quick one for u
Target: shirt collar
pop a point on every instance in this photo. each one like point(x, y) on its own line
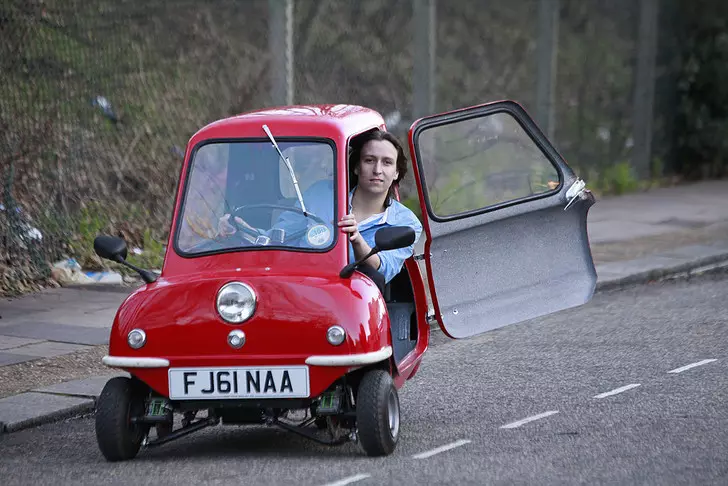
point(387, 213)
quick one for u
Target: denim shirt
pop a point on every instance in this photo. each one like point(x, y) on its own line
point(319, 200)
point(396, 214)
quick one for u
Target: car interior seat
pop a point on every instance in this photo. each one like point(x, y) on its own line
point(399, 298)
point(253, 179)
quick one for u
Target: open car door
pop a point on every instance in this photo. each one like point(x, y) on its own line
point(504, 218)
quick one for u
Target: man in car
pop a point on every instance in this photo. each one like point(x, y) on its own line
point(377, 165)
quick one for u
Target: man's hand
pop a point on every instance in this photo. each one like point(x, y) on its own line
point(226, 228)
point(361, 248)
point(348, 225)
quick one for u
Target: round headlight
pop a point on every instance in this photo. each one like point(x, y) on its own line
point(236, 302)
point(335, 335)
point(136, 338)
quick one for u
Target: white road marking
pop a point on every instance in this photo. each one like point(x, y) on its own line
point(692, 365)
point(447, 447)
point(617, 390)
point(349, 480)
point(513, 425)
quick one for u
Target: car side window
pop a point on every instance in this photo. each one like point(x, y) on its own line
point(474, 163)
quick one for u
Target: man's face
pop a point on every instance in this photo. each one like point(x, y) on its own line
point(377, 166)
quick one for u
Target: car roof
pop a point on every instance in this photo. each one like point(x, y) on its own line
point(333, 121)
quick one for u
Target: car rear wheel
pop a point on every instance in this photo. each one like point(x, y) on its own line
point(377, 413)
point(118, 437)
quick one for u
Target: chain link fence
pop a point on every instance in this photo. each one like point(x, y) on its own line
point(98, 97)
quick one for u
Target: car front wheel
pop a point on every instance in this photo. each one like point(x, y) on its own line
point(119, 438)
point(377, 413)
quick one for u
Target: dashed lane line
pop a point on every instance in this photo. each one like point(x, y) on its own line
point(349, 480)
point(447, 447)
point(518, 423)
point(692, 365)
point(616, 391)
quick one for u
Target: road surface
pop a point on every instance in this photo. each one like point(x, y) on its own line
point(629, 389)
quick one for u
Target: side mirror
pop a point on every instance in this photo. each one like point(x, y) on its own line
point(393, 237)
point(111, 248)
point(389, 238)
point(114, 248)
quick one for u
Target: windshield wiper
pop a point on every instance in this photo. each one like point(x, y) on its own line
point(290, 169)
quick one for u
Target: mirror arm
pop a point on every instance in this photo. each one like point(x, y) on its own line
point(349, 269)
point(147, 276)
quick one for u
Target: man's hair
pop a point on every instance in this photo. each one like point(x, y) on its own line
point(355, 157)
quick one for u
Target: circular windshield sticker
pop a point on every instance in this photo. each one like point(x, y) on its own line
point(318, 235)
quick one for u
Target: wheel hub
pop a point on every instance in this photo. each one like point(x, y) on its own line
point(393, 413)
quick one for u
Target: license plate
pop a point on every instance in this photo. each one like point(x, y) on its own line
point(234, 382)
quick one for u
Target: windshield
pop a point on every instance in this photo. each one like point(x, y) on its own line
point(241, 194)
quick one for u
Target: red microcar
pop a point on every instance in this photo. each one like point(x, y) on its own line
point(272, 322)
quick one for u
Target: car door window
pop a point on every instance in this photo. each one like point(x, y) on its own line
point(496, 192)
point(476, 163)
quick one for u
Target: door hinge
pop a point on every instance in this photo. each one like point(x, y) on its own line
point(431, 319)
point(575, 192)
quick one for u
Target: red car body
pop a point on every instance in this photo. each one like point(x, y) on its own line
point(178, 313)
point(504, 240)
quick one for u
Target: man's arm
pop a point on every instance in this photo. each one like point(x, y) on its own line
point(388, 263)
point(361, 248)
point(393, 260)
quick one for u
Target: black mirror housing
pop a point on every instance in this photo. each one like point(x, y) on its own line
point(389, 238)
point(394, 237)
point(111, 248)
point(114, 248)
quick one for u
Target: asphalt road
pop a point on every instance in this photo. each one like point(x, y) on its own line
point(671, 429)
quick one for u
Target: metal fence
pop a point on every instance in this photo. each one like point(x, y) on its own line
point(98, 97)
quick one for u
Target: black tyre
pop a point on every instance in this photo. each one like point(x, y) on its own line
point(119, 439)
point(377, 413)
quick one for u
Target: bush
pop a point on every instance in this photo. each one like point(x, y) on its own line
point(619, 179)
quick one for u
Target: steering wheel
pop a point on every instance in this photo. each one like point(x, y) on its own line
point(238, 212)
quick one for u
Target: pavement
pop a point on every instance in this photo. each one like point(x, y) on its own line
point(51, 342)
